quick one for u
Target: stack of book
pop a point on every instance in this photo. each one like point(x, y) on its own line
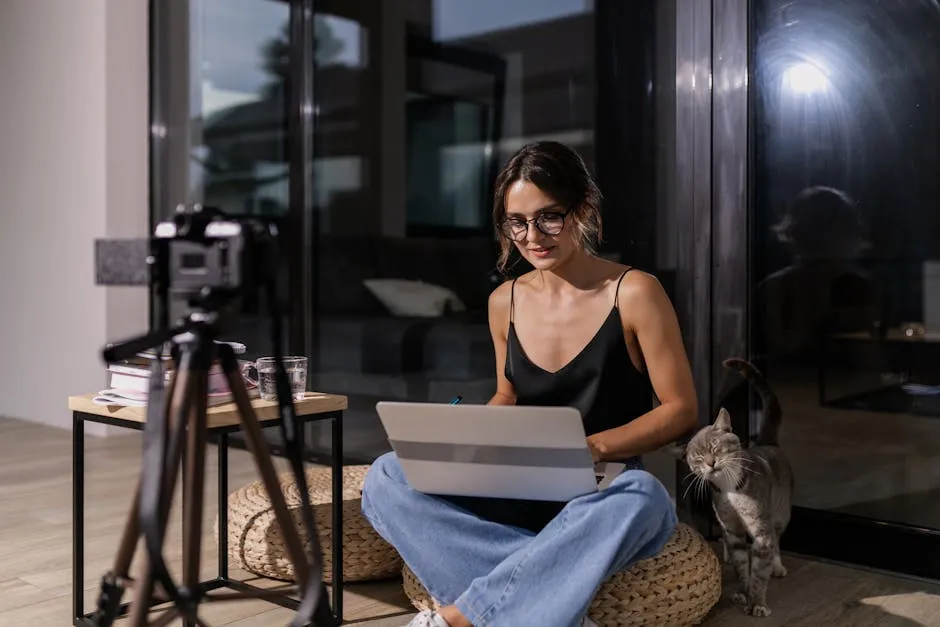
point(129, 384)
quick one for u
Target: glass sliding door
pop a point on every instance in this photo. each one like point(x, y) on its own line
point(418, 104)
point(222, 91)
point(372, 132)
point(844, 279)
point(221, 121)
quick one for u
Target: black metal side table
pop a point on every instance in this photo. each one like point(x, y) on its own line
point(222, 421)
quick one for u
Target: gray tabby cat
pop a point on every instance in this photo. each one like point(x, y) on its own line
point(751, 491)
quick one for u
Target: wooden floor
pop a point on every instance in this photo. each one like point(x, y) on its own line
point(36, 550)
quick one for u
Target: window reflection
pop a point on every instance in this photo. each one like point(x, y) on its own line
point(454, 19)
point(239, 151)
point(408, 141)
point(226, 112)
point(224, 102)
point(241, 68)
point(847, 144)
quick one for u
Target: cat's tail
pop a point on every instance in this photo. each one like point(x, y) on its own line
point(773, 415)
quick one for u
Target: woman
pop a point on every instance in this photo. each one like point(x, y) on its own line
point(576, 331)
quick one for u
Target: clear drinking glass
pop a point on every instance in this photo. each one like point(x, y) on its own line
point(296, 368)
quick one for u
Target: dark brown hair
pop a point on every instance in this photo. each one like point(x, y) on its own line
point(560, 173)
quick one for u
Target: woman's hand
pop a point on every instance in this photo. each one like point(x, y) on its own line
point(596, 449)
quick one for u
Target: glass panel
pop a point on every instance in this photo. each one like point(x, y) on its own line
point(239, 149)
point(226, 116)
point(446, 162)
point(224, 100)
point(432, 98)
point(846, 284)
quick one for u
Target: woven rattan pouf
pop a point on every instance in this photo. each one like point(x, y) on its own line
point(256, 543)
point(676, 588)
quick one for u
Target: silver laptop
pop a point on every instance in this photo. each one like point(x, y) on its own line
point(536, 453)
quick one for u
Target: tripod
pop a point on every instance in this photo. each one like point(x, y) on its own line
point(175, 412)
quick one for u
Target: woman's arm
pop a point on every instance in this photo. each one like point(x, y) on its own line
point(499, 328)
point(647, 313)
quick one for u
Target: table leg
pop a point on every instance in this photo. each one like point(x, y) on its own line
point(223, 505)
point(78, 515)
point(337, 468)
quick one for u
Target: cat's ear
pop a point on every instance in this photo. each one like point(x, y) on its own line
point(723, 421)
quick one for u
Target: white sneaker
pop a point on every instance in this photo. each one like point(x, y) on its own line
point(427, 618)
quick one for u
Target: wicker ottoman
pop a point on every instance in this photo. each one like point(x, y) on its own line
point(256, 544)
point(676, 588)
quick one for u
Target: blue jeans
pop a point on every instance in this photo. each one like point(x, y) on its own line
point(500, 573)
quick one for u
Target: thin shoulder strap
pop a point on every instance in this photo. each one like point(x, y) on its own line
point(512, 296)
point(619, 281)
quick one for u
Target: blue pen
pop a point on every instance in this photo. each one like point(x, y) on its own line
point(456, 400)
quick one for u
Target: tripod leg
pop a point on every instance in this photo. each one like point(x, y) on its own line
point(262, 456)
point(177, 411)
point(125, 556)
point(113, 583)
point(194, 485)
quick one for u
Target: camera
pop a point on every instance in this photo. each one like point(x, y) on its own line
point(213, 260)
point(197, 252)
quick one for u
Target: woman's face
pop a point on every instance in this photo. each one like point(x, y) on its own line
point(527, 209)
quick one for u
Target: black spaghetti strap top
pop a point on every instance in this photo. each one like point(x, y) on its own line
point(600, 381)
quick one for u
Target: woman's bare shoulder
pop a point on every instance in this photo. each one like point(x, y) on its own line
point(500, 298)
point(641, 288)
point(504, 291)
point(528, 278)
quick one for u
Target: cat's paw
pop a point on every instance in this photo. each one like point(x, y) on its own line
point(758, 610)
point(739, 598)
point(779, 570)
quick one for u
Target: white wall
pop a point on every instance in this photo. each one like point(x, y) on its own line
point(73, 167)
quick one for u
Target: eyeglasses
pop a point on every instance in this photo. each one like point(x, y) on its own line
point(549, 223)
